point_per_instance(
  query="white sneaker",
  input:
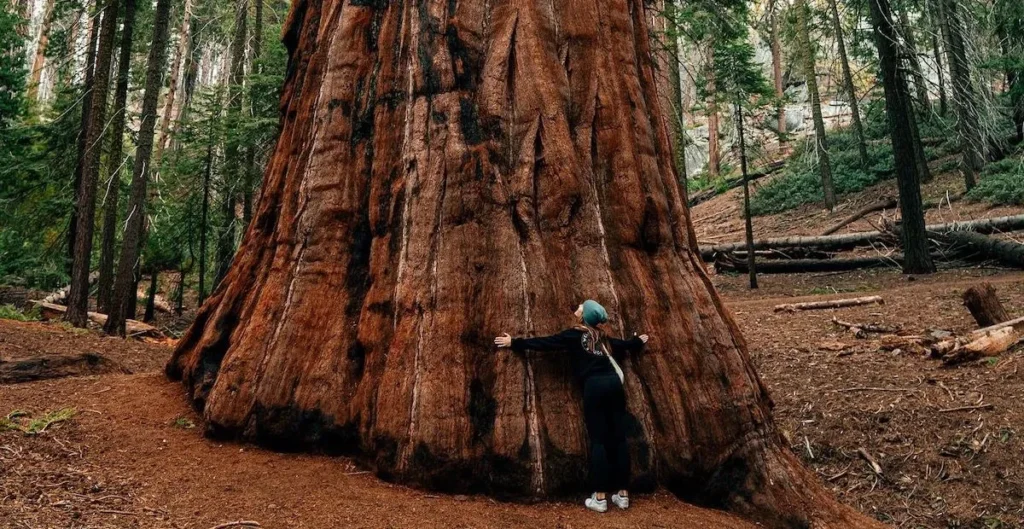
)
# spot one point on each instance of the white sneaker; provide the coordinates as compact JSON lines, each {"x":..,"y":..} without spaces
{"x":595,"y":504}
{"x":621,"y":502}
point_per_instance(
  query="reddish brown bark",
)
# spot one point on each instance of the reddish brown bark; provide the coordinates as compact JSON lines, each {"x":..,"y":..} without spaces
{"x":448,"y":171}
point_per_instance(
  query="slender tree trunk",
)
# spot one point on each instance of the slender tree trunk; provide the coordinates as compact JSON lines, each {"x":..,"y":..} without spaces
{"x":780,"y":92}
{"x":459,"y":215}
{"x":964,"y":99}
{"x":937,"y":51}
{"x":714,"y":151}
{"x":151,"y":298}
{"x":204,"y":227}
{"x":748,"y":222}
{"x":86,"y":99}
{"x":189,"y":83}
{"x":913,"y":60}
{"x":115,"y":162}
{"x":851,"y":90}
{"x":234,"y":170}
{"x":807,"y":59}
{"x":78,"y":294}
{"x":39,"y":62}
{"x":131,"y":244}
{"x":185,"y":39}
{"x":899,"y":109}
{"x":250,"y":149}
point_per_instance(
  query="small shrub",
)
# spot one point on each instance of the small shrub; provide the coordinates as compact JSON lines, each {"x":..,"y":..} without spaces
{"x":23,"y":422}
{"x":184,"y":423}
{"x":1001,"y":182}
{"x":10,"y":312}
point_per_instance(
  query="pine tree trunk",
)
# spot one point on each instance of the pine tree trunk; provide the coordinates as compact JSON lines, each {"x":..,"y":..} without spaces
{"x":808,"y":62}
{"x":748,"y":223}
{"x":964,"y":100}
{"x":176,"y":67}
{"x":150,"y":298}
{"x":250,"y":149}
{"x":714,"y":151}
{"x":90,"y":62}
{"x":39,"y":62}
{"x":124,"y":296}
{"x":447,"y":171}
{"x":936,"y":25}
{"x":899,"y":109}
{"x":234,"y":171}
{"x":78,"y":294}
{"x":204,"y":228}
{"x":913,"y":60}
{"x":115,"y":161}
{"x":776,"y":49}
{"x":851,"y":90}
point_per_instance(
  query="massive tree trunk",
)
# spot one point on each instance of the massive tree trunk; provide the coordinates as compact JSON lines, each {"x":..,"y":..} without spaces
{"x":85,"y":210}
{"x":899,"y":109}
{"x":851,"y":89}
{"x":105,"y":285}
{"x":807,"y":59}
{"x":448,"y":171}
{"x":123,"y":301}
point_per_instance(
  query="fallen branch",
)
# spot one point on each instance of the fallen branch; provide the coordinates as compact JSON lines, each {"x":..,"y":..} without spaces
{"x":830,"y":304}
{"x":58,"y":296}
{"x":51,"y":311}
{"x":706,"y":195}
{"x":875,"y":467}
{"x":852,"y":240}
{"x":870,"y":208}
{"x":968,"y":408}
{"x":990,"y":344}
{"x":239,"y":523}
{"x":798,"y":266}
{"x":860,"y":330}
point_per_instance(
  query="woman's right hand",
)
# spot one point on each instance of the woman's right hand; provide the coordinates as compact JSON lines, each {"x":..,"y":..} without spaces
{"x":503,"y":341}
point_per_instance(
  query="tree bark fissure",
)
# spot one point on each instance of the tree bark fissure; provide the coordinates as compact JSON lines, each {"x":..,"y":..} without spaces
{"x":438,"y":163}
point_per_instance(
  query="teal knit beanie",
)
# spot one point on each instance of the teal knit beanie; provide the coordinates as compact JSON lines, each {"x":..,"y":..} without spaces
{"x":593,"y":313}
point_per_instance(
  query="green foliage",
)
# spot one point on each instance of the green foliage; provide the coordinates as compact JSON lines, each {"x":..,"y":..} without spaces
{"x":184,"y":423}
{"x":23,"y":422}
{"x":799,"y":183}
{"x":1001,"y":183}
{"x":10,"y":312}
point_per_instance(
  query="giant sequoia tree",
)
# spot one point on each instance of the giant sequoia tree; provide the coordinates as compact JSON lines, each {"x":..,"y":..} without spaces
{"x":450,"y":170}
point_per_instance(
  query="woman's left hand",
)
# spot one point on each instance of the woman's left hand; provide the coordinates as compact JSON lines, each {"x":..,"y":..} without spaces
{"x":644,"y":338}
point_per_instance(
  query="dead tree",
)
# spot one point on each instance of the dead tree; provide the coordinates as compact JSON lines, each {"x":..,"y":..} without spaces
{"x":414,"y":207}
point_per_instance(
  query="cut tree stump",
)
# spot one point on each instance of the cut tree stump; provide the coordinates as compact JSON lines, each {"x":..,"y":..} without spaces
{"x":831,"y":304}
{"x":984,"y":305}
{"x":51,"y":311}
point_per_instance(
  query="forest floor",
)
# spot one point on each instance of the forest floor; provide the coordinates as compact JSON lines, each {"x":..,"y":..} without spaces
{"x":124,"y":448}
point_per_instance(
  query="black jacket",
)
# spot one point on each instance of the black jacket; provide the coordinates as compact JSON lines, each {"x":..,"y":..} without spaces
{"x":587,"y":360}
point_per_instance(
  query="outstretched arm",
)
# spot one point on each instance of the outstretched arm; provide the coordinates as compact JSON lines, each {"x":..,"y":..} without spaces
{"x":555,"y":342}
{"x":632,"y":345}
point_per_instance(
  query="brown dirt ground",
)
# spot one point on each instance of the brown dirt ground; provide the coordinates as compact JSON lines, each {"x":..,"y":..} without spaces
{"x":132,"y":458}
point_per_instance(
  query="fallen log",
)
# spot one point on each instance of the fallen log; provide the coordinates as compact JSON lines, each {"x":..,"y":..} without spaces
{"x":887,"y":203}
{"x":57,"y":296}
{"x":797,"y":266}
{"x":708,"y":194}
{"x":50,"y":311}
{"x":846,"y":241}
{"x":984,"y":305}
{"x":829,"y":304}
{"x":1007,"y":252}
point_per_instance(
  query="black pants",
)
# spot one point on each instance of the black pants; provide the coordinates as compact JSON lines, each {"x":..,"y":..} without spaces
{"x":604,"y":409}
